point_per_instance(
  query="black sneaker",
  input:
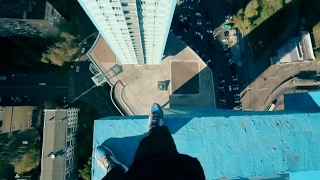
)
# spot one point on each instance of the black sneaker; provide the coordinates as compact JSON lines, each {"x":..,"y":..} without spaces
{"x":106,"y":159}
{"x":156,"y":117}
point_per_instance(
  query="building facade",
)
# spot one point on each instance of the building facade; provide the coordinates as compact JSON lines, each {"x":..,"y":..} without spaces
{"x":58,"y":159}
{"x":29,"y":18}
{"x":136,"y":30}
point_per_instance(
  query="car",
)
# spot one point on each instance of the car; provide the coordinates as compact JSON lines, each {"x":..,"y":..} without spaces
{"x":201,"y":36}
{"x":197,"y":33}
{"x":230,"y":61}
{"x":237,"y":101}
{"x":191,"y":45}
{"x":83,"y":50}
{"x":208,"y":22}
{"x":190,"y":7}
{"x":78,"y":69}
{"x":225,"y":47}
{"x":235,"y":78}
{"x":228,"y":18}
{"x":198,"y":14}
{"x":227,"y":54}
{"x":209,"y":31}
{"x":199,"y":23}
{"x":185,"y":30}
{"x":227,"y":26}
{"x":222,"y":81}
{"x":179,"y":37}
{"x":235,"y":88}
{"x":42,"y":84}
{"x":230,"y":89}
{"x":223,"y":100}
{"x":236,"y":95}
{"x":171,"y":30}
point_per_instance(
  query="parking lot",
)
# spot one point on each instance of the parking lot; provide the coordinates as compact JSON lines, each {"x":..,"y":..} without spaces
{"x":207,"y":29}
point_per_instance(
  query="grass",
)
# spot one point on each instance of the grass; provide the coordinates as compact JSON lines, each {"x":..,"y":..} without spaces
{"x":316,"y":34}
{"x":266,"y":20}
{"x":317,"y":54}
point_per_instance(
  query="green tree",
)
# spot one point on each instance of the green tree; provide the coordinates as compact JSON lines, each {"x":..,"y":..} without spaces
{"x":29,"y":161}
{"x":63,"y":50}
{"x":85,"y":173}
{"x":251,"y":10}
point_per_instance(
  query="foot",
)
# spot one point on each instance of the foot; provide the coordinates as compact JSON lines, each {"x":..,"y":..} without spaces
{"x":156,"y":117}
{"x":106,"y":159}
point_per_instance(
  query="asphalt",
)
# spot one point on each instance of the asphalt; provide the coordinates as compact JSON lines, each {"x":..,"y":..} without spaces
{"x":209,"y":50}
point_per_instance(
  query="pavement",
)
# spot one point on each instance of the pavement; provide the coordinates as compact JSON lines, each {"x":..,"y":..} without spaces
{"x":255,"y":96}
{"x":136,"y":87}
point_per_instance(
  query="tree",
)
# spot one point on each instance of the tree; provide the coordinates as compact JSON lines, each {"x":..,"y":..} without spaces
{"x":85,"y":173}
{"x":29,"y":161}
{"x":63,"y":50}
{"x":251,"y":10}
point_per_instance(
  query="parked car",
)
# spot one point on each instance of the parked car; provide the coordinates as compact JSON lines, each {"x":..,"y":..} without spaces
{"x":42,"y":84}
{"x":230,"y":89}
{"x":78,"y":69}
{"x":198,"y":14}
{"x":228,"y":18}
{"x":83,"y":50}
{"x":235,"y":88}
{"x":235,"y":78}
{"x":199,"y":23}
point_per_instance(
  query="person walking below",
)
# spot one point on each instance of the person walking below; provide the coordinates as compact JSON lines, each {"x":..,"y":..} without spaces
{"x":156,"y":157}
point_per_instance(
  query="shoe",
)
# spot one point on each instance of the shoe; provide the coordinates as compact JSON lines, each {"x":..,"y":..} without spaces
{"x":106,"y":159}
{"x":156,"y":117}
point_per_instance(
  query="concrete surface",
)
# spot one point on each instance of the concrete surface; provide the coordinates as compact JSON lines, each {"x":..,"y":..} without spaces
{"x":227,"y":143}
{"x":138,"y":88}
{"x":255,"y":95}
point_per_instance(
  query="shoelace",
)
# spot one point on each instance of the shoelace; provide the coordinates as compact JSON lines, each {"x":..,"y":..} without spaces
{"x":106,"y":162}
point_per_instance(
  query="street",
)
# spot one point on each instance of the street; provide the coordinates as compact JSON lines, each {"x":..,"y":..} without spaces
{"x":200,"y":26}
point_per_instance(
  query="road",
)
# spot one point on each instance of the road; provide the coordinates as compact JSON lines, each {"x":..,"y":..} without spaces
{"x":257,"y":93}
{"x":27,"y":88}
{"x":212,"y":18}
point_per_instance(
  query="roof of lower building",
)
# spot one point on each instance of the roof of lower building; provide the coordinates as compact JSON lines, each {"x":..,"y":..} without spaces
{"x":228,"y":143}
{"x":54,"y":142}
{"x":22,"y":9}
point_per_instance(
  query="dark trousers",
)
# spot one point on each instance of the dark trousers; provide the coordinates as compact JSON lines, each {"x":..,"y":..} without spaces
{"x":158,"y":141}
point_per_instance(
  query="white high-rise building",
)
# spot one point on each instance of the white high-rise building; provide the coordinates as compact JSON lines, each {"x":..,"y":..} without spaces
{"x":136,"y":30}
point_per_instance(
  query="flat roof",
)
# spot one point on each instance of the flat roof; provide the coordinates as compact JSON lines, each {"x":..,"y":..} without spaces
{"x":16,"y":118}
{"x":54,"y":141}
{"x":227,"y":143}
{"x":15,"y":9}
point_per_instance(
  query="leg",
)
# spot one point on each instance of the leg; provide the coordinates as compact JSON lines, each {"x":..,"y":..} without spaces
{"x":159,"y":139}
{"x":117,"y":173}
{"x":114,"y":169}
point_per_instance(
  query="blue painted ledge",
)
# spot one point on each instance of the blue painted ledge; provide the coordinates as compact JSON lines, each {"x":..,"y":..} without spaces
{"x":230,"y":144}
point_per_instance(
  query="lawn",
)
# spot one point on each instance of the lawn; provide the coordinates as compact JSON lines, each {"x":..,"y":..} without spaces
{"x":316,"y":34}
{"x":266,"y":21}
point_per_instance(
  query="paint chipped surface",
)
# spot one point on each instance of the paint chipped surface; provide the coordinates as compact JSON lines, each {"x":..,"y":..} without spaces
{"x":239,"y":145}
